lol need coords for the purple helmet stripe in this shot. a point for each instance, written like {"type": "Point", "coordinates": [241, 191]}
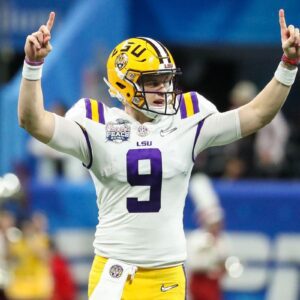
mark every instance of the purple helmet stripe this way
{"type": "Point", "coordinates": [200, 124]}
{"type": "Point", "coordinates": [195, 102]}
{"type": "Point", "coordinates": [88, 108]}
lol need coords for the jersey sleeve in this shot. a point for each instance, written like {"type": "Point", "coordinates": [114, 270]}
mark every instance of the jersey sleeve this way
{"type": "Point", "coordinates": [217, 129]}
{"type": "Point", "coordinates": [83, 111]}
{"type": "Point", "coordinates": [71, 138]}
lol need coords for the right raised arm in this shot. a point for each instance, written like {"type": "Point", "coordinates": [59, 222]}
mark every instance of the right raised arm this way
{"type": "Point", "coordinates": [31, 112]}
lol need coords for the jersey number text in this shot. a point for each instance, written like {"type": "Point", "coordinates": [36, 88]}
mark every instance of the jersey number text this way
{"type": "Point", "coordinates": [153, 180]}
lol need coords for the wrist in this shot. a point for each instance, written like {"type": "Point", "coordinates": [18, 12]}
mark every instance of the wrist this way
{"type": "Point", "coordinates": [290, 63]}
{"type": "Point", "coordinates": [286, 75]}
{"type": "Point", "coordinates": [34, 62]}
{"type": "Point", "coordinates": [32, 70]}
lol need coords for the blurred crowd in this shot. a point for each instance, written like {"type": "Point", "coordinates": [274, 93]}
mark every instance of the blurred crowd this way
{"type": "Point", "coordinates": [31, 268]}
{"type": "Point", "coordinates": [270, 153]}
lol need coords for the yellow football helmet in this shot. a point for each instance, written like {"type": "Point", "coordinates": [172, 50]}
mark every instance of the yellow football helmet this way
{"type": "Point", "coordinates": [135, 62]}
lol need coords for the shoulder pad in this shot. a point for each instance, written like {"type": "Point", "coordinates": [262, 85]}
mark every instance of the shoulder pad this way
{"type": "Point", "coordinates": [192, 103]}
{"type": "Point", "coordinates": [87, 108]}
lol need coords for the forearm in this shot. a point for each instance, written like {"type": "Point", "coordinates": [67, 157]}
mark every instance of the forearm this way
{"type": "Point", "coordinates": [30, 106]}
{"type": "Point", "coordinates": [263, 108]}
{"type": "Point", "coordinates": [269, 101]}
{"type": "Point", "coordinates": [31, 113]}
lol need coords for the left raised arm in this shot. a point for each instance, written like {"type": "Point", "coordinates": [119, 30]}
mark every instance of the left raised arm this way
{"type": "Point", "coordinates": [262, 109]}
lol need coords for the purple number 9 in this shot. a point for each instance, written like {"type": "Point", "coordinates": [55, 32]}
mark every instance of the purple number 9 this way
{"type": "Point", "coordinates": [153, 180]}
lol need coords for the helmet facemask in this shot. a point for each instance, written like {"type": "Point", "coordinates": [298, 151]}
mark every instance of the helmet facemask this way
{"type": "Point", "coordinates": [161, 83]}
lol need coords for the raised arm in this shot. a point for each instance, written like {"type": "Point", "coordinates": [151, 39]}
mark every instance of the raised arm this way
{"type": "Point", "coordinates": [262, 109]}
{"type": "Point", "coordinates": [31, 112]}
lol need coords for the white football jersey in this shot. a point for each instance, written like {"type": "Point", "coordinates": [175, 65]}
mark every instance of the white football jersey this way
{"type": "Point", "coordinates": [141, 174]}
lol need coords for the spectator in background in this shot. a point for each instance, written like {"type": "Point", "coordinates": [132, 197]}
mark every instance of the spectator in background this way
{"type": "Point", "coordinates": [206, 246]}
{"type": "Point", "coordinates": [31, 277]}
{"type": "Point", "coordinates": [261, 154]}
{"type": "Point", "coordinates": [7, 221]}
{"type": "Point", "coordinates": [64, 285]}
{"type": "Point", "coordinates": [270, 147]}
{"type": "Point", "coordinates": [240, 155]}
{"type": "Point", "coordinates": [52, 164]}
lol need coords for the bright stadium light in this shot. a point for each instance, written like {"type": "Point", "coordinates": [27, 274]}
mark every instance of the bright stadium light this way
{"type": "Point", "coordinates": [234, 267]}
{"type": "Point", "coordinates": [9, 185]}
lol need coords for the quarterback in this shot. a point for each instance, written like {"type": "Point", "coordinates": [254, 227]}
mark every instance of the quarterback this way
{"type": "Point", "coordinates": [140, 158]}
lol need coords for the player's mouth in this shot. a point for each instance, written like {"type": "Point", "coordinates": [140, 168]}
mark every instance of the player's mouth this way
{"type": "Point", "coordinates": [159, 102]}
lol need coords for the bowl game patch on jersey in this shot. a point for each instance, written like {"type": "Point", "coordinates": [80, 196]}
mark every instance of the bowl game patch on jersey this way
{"type": "Point", "coordinates": [118, 131]}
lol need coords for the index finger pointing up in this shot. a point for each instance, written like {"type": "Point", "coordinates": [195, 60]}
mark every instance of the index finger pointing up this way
{"type": "Point", "coordinates": [282, 19]}
{"type": "Point", "coordinates": [50, 21]}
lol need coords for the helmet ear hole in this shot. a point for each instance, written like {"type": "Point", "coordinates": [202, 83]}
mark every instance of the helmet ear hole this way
{"type": "Point", "coordinates": [128, 95]}
{"type": "Point", "coordinates": [120, 85]}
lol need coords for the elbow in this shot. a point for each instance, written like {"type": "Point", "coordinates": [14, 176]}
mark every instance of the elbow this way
{"type": "Point", "coordinates": [265, 120]}
{"type": "Point", "coordinates": [255, 125]}
{"type": "Point", "coordinates": [262, 123]}
{"type": "Point", "coordinates": [22, 122]}
{"type": "Point", "coordinates": [22, 117]}
{"type": "Point", "coordinates": [25, 123]}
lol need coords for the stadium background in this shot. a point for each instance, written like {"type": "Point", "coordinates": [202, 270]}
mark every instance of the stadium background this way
{"type": "Point", "coordinates": [228, 41]}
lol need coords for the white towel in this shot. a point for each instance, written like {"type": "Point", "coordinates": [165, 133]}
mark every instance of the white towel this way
{"type": "Point", "coordinates": [112, 280]}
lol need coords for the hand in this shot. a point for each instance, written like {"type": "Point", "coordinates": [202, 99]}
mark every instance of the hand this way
{"type": "Point", "coordinates": [37, 45]}
{"type": "Point", "coordinates": [290, 38]}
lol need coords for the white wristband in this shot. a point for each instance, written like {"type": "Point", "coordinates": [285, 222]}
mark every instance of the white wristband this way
{"type": "Point", "coordinates": [284, 75]}
{"type": "Point", "coordinates": [32, 72]}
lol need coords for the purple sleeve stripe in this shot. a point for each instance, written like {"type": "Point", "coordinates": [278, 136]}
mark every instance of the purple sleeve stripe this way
{"type": "Point", "coordinates": [101, 113]}
{"type": "Point", "coordinates": [88, 166]}
{"type": "Point", "coordinates": [182, 107]}
{"type": "Point", "coordinates": [195, 102]}
{"type": "Point", "coordinates": [200, 124]}
{"type": "Point", "coordinates": [88, 108]}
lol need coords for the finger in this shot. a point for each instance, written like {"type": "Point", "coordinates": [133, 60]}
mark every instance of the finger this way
{"type": "Point", "coordinates": [47, 39]}
{"type": "Point", "coordinates": [291, 33]}
{"type": "Point", "coordinates": [48, 47]}
{"type": "Point", "coordinates": [297, 37]}
{"type": "Point", "coordinates": [50, 21]}
{"type": "Point", "coordinates": [282, 20]}
{"type": "Point", "coordinates": [34, 41]}
{"type": "Point", "coordinates": [291, 30]}
{"type": "Point", "coordinates": [39, 36]}
{"type": "Point", "coordinates": [44, 29]}
{"type": "Point", "coordinates": [46, 33]}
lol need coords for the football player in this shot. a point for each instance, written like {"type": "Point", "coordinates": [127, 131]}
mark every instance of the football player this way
{"type": "Point", "coordinates": [141, 158]}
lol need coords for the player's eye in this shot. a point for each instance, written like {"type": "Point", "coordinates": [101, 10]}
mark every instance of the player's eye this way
{"type": "Point", "coordinates": [156, 80]}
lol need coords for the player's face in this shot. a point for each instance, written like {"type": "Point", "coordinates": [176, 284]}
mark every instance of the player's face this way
{"type": "Point", "coordinates": [155, 86]}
